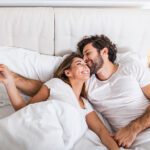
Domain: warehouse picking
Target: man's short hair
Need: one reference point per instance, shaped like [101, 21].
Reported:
[99, 42]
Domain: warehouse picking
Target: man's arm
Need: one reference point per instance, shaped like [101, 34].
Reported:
[27, 86]
[126, 136]
[143, 122]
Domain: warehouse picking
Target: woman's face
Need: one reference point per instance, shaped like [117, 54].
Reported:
[79, 70]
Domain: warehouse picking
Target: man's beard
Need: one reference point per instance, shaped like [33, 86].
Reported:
[96, 65]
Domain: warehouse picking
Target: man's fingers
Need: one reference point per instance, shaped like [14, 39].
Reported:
[126, 143]
[118, 136]
[129, 143]
[121, 140]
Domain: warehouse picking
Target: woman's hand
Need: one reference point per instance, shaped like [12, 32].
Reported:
[5, 75]
[96, 125]
[108, 141]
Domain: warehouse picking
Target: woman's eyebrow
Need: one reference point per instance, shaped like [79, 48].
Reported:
[78, 61]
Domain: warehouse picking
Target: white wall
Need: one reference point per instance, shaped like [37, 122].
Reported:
[103, 3]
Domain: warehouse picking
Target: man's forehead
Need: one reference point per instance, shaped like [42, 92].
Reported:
[87, 47]
[85, 50]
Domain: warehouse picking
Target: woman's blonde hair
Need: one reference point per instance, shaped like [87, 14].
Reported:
[66, 64]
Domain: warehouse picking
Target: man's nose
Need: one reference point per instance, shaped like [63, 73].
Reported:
[85, 59]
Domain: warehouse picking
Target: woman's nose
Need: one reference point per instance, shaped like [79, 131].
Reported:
[84, 65]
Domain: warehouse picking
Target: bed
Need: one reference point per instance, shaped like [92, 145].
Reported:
[34, 40]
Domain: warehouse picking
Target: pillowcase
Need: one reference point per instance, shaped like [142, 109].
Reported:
[128, 56]
[27, 63]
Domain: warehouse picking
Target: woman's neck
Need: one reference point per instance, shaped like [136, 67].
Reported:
[77, 87]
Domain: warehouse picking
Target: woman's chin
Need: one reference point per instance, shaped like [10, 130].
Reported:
[85, 78]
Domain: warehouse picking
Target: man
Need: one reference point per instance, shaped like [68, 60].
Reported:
[119, 92]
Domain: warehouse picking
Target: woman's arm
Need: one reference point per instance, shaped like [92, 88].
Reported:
[16, 99]
[97, 126]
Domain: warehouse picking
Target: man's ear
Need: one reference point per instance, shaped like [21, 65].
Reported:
[104, 51]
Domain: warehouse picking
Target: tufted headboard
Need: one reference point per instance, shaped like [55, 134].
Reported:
[28, 27]
[56, 30]
[127, 27]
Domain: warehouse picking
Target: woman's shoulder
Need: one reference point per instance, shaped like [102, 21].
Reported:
[53, 82]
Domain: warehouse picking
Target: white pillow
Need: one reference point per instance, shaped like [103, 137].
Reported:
[28, 63]
[130, 55]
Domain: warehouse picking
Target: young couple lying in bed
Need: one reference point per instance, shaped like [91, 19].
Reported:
[119, 92]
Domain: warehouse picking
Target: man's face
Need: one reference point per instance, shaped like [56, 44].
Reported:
[93, 58]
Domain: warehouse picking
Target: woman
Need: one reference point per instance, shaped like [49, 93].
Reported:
[74, 72]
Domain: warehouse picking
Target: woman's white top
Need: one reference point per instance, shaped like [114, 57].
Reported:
[62, 91]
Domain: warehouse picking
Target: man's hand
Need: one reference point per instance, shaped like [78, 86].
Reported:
[5, 74]
[125, 136]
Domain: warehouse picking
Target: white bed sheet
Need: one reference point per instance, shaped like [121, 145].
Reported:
[6, 110]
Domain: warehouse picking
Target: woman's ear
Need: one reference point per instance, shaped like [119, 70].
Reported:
[67, 73]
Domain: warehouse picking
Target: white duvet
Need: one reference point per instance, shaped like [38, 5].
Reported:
[52, 125]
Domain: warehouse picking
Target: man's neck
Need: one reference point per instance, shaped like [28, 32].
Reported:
[106, 71]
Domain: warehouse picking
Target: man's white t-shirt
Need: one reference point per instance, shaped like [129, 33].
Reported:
[120, 98]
